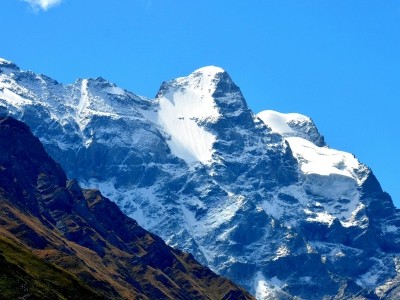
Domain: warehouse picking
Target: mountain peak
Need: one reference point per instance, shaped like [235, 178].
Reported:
[185, 103]
[246, 195]
[210, 70]
[7, 64]
[292, 125]
[189, 106]
[4, 61]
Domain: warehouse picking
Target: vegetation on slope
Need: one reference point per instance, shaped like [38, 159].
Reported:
[25, 276]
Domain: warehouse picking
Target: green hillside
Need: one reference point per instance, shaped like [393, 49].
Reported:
[25, 276]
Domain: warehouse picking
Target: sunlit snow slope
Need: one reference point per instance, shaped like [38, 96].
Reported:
[183, 108]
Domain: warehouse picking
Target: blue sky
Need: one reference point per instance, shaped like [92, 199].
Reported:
[337, 61]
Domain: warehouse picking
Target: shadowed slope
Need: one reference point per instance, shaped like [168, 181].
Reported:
[24, 275]
[86, 234]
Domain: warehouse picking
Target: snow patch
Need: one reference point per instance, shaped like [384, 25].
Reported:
[223, 213]
[115, 91]
[321, 217]
[182, 111]
[4, 61]
[84, 97]
[278, 122]
[210, 70]
[282, 251]
[323, 160]
[13, 98]
[265, 289]
[329, 173]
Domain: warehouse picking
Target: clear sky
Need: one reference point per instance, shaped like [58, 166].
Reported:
[337, 61]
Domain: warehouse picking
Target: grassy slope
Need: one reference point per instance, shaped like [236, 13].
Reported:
[24, 275]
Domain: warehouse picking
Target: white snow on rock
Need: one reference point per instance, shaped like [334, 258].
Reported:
[267, 289]
[4, 61]
[84, 97]
[323, 160]
[327, 173]
[182, 110]
[313, 159]
[209, 71]
[13, 98]
[322, 217]
[115, 91]
[203, 212]
[292, 125]
[278, 122]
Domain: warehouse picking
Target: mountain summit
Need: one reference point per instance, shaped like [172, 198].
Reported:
[188, 107]
[260, 198]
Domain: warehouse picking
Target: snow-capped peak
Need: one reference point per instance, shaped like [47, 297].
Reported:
[262, 200]
[327, 173]
[7, 64]
[210, 70]
[189, 106]
[292, 125]
[279, 122]
[203, 79]
[4, 61]
[184, 103]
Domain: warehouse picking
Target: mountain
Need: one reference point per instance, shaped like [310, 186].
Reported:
[23, 275]
[260, 199]
[61, 242]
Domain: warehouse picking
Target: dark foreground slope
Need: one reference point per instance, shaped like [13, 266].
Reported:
[75, 243]
[23, 275]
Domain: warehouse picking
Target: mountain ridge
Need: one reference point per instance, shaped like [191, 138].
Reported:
[257, 201]
[87, 235]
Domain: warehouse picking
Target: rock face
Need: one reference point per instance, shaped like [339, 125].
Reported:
[260, 198]
[85, 234]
